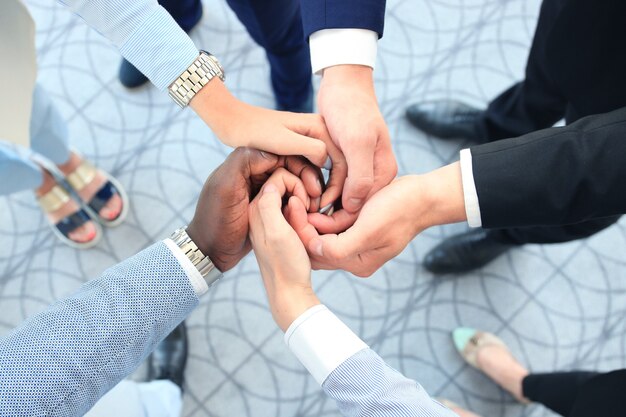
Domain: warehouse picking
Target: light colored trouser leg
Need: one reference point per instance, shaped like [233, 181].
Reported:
[17, 171]
[48, 137]
[48, 131]
[159, 398]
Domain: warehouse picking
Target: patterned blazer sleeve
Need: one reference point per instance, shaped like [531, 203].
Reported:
[364, 385]
[61, 361]
[343, 14]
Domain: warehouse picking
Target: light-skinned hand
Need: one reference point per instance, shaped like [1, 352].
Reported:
[238, 124]
[347, 102]
[387, 223]
[282, 258]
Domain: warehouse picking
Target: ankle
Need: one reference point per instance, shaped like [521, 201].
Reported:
[516, 383]
[70, 166]
[503, 369]
[47, 183]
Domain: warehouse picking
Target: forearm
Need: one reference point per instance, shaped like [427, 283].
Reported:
[62, 360]
[144, 33]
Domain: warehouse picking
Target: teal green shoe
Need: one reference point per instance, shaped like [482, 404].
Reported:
[468, 342]
[462, 335]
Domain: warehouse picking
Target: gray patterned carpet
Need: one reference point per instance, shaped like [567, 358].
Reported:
[558, 307]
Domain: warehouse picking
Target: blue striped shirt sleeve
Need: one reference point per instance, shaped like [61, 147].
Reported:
[145, 34]
[364, 385]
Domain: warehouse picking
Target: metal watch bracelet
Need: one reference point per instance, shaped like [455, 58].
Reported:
[200, 73]
[200, 261]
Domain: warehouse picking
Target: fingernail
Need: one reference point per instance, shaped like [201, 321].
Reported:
[270, 188]
[328, 165]
[356, 201]
[267, 155]
[316, 247]
[326, 208]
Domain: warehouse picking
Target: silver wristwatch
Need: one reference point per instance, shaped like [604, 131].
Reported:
[200, 72]
[203, 264]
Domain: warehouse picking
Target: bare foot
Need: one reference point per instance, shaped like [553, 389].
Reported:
[82, 234]
[113, 207]
[503, 368]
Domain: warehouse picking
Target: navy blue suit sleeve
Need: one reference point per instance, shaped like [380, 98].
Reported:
[343, 14]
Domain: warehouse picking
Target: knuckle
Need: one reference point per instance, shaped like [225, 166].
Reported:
[360, 186]
[240, 156]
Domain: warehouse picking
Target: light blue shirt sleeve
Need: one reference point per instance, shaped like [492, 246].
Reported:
[61, 361]
[364, 385]
[352, 374]
[145, 34]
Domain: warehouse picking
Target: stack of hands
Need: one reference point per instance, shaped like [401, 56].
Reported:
[257, 199]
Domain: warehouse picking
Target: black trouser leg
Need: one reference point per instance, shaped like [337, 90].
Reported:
[535, 103]
[557, 391]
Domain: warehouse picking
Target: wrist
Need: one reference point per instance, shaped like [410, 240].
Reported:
[198, 238]
[349, 74]
[289, 303]
[442, 200]
[214, 103]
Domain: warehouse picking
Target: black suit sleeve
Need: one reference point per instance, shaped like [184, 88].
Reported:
[555, 176]
[343, 14]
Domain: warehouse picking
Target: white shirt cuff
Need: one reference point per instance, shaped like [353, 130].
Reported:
[195, 277]
[321, 341]
[330, 47]
[472, 207]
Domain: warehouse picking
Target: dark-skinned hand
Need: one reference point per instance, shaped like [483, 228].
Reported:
[220, 224]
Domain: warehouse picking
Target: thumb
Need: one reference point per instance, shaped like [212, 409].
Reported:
[345, 246]
[360, 178]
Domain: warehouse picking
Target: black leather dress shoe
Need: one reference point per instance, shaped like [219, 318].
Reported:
[170, 357]
[464, 252]
[446, 119]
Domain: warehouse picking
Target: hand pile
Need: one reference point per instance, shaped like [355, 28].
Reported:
[259, 200]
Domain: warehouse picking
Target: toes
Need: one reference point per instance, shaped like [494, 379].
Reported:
[112, 209]
[83, 234]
